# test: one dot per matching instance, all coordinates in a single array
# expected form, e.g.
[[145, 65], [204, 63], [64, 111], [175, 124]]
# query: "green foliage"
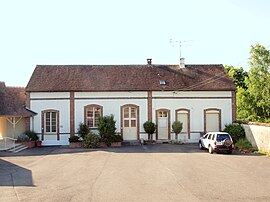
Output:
[[23, 138], [107, 129], [83, 130], [177, 127], [149, 127], [259, 83], [243, 143], [117, 138], [91, 140], [32, 135], [238, 76], [74, 138], [236, 131], [253, 88]]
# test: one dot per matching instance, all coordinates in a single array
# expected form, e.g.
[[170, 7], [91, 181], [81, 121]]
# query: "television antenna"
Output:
[[180, 43]]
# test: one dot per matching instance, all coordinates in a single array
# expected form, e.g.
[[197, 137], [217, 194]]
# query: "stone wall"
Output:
[[259, 136]]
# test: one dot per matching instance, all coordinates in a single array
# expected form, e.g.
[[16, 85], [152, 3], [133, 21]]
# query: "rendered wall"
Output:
[[259, 136], [2, 127]]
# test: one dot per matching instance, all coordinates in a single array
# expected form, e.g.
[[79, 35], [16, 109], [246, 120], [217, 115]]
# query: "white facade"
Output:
[[194, 101]]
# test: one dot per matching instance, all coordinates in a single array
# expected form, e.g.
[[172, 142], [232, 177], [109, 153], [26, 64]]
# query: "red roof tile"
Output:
[[47, 78]]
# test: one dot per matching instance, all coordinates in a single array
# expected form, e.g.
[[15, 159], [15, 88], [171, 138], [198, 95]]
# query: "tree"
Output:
[[107, 129], [149, 128], [258, 83], [238, 75], [177, 127]]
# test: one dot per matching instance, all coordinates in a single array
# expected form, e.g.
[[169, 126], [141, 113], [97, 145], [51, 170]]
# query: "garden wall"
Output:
[[259, 136]]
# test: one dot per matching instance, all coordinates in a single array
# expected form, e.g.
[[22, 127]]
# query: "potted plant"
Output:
[[75, 142], [177, 127], [117, 141], [149, 127], [25, 140], [33, 137]]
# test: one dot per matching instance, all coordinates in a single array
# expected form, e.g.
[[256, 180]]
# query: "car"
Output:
[[217, 142]]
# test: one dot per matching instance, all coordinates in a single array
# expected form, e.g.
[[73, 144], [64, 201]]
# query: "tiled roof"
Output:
[[128, 78], [12, 101]]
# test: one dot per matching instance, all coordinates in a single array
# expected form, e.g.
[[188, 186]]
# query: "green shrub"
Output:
[[177, 127], [91, 140], [118, 138], [243, 143], [83, 130], [74, 138], [107, 129], [149, 127], [32, 135], [236, 131], [23, 138]]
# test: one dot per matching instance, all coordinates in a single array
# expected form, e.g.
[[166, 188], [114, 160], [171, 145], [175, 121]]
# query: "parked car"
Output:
[[217, 142]]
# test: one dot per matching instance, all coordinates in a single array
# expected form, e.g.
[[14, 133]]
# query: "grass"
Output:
[[243, 143], [264, 153]]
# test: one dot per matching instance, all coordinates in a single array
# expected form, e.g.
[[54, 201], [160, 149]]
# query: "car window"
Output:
[[221, 137], [210, 136], [205, 136]]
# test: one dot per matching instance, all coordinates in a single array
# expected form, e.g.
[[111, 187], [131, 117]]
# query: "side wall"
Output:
[[196, 102], [148, 102], [259, 136]]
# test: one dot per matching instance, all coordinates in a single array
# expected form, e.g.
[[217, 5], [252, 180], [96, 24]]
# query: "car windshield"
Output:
[[221, 137]]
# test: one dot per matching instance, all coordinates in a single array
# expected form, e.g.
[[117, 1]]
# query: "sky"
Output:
[[127, 32]]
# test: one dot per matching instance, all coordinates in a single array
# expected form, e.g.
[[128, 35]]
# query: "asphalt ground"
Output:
[[161, 172]]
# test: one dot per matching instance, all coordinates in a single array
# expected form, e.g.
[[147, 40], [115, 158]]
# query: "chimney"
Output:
[[149, 61], [182, 63]]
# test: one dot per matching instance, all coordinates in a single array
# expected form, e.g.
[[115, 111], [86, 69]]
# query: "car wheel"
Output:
[[200, 145], [210, 149]]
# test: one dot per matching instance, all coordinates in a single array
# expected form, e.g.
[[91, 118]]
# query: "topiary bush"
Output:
[[177, 127], [83, 130], [107, 129], [91, 140], [236, 131], [149, 128]]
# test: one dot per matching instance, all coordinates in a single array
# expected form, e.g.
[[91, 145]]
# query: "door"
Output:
[[130, 122], [163, 124]]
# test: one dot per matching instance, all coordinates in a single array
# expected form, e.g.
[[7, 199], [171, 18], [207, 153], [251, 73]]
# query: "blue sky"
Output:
[[127, 32]]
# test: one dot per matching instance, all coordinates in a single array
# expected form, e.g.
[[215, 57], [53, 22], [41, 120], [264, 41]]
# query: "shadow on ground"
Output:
[[14, 175], [154, 148]]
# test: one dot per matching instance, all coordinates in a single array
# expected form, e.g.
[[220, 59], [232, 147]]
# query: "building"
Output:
[[200, 96], [14, 116]]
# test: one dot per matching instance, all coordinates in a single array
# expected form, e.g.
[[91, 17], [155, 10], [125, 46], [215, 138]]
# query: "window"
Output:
[[50, 121], [92, 114], [212, 120]]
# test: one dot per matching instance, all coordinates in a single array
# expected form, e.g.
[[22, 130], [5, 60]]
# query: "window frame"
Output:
[[86, 109], [186, 111], [43, 123]]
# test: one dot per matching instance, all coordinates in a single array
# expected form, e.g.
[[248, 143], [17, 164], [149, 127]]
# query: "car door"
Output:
[[204, 140]]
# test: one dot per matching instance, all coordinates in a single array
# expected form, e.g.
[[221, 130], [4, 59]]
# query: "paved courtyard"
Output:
[[133, 173]]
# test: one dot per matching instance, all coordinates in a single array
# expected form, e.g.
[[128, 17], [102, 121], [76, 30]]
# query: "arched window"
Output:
[[183, 115], [212, 120], [92, 114]]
